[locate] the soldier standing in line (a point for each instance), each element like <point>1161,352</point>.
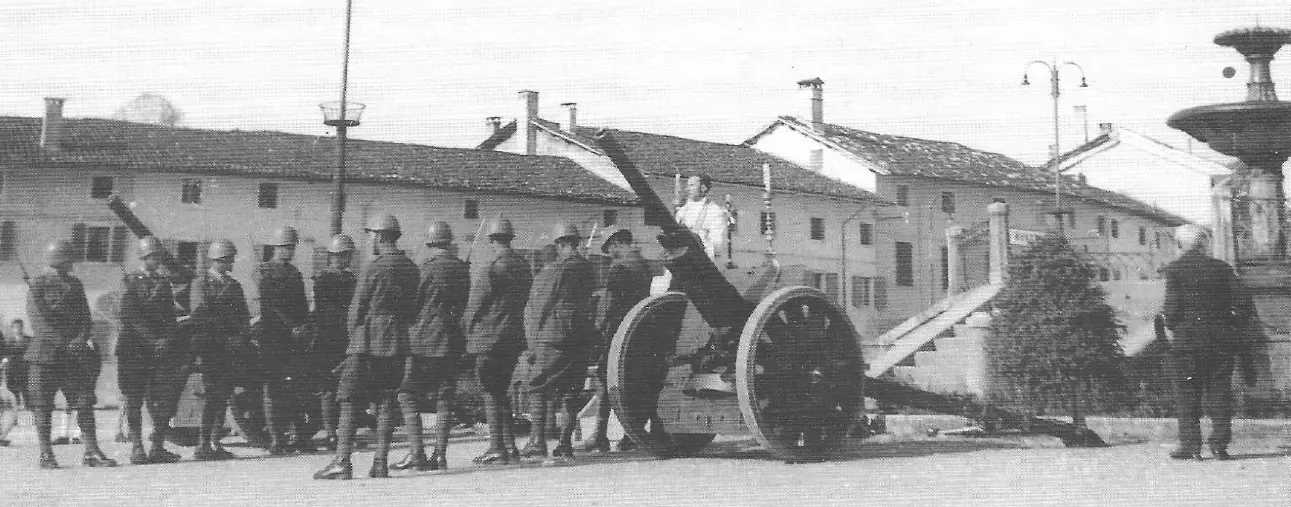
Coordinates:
<point>384,306</point>
<point>283,315</point>
<point>436,343</point>
<point>151,354</point>
<point>559,329</point>
<point>62,355</point>
<point>626,284</point>
<point>218,320</point>
<point>495,336</point>
<point>333,289</point>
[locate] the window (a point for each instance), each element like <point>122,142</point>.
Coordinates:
<point>903,195</point>
<point>998,199</point>
<point>948,202</point>
<point>862,292</point>
<point>1104,275</point>
<point>767,221</point>
<point>1143,235</point>
<point>192,192</point>
<point>1071,219</point>
<point>609,217</point>
<point>831,287</point>
<point>1156,243</point>
<point>867,233</point>
<point>8,240</point>
<point>1116,228</point>
<point>818,229</point>
<point>472,209</point>
<point>267,197</point>
<point>99,243</point>
<point>1,182</point>
<point>101,187</point>
<point>905,264</point>
<point>1102,226</point>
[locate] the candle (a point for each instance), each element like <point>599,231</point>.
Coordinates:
<point>766,177</point>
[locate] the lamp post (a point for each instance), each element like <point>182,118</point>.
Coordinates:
<point>342,115</point>
<point>1054,91</point>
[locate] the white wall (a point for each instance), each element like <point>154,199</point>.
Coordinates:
<point>1182,190</point>
<point>791,145</point>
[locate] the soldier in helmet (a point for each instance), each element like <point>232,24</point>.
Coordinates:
<point>333,289</point>
<point>151,354</point>
<point>436,343</point>
<point>219,317</point>
<point>283,315</point>
<point>626,284</point>
<point>61,354</point>
<point>559,330</point>
<point>495,335</point>
<point>384,306</point>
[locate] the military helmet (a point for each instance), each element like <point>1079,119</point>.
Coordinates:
<point>285,236</point>
<point>222,250</point>
<point>149,246</point>
<point>385,222</point>
<point>501,227</point>
<point>439,233</point>
<point>59,252</point>
<point>622,235</point>
<point>341,243</point>
<point>564,230</point>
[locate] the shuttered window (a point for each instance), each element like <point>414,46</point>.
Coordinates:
<point>8,240</point>
<point>862,291</point>
<point>905,264</point>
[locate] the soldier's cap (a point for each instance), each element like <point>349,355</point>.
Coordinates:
<point>622,235</point>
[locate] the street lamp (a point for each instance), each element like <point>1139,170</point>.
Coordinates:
<point>342,115</point>
<point>1054,91</point>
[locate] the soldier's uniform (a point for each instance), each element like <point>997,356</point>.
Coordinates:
<point>151,357</point>
<point>560,333</point>
<point>62,357</point>
<point>333,290</point>
<point>219,320</point>
<point>1206,308</point>
<point>436,343</point>
<point>626,283</point>
<point>495,337</point>
<point>283,313</point>
<point>384,306</point>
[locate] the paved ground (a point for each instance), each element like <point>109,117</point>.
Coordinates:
<point>905,468</point>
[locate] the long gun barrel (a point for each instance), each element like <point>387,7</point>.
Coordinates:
<point>716,299</point>
<point>179,273</point>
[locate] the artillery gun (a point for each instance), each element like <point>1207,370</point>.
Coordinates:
<point>757,354</point>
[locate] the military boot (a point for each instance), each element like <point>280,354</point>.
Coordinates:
<point>380,469</point>
<point>96,458</point>
<point>438,460</point>
<point>414,461</point>
<point>138,456</point>
<point>493,457</point>
<point>47,461</point>
<point>339,469</point>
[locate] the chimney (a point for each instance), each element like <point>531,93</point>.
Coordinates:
<point>817,100</point>
<point>573,115</point>
<point>1105,128</point>
<point>526,123</point>
<point>495,124</point>
<point>51,132</point>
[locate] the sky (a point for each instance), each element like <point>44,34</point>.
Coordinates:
<point>719,70</point>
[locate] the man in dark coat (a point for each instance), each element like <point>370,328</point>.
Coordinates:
<point>626,284</point>
<point>495,335</point>
<point>560,333</point>
<point>151,354</point>
<point>15,345</point>
<point>436,343</point>
<point>384,306</point>
<point>219,320</point>
<point>283,315</point>
<point>62,355</point>
<point>1207,310</point>
<point>333,290</point>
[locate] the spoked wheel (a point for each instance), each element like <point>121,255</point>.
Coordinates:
<point>798,374</point>
<point>638,366</point>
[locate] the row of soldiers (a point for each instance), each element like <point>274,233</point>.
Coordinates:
<point>391,337</point>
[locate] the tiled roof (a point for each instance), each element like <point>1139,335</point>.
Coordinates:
<point>154,148</point>
<point>661,155</point>
<point>922,158</point>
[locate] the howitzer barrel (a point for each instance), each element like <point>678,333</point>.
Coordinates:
<point>716,299</point>
<point>119,208</point>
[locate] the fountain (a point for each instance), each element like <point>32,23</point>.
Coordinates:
<point>1257,132</point>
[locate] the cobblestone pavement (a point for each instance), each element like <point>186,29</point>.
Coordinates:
<point>903,469</point>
